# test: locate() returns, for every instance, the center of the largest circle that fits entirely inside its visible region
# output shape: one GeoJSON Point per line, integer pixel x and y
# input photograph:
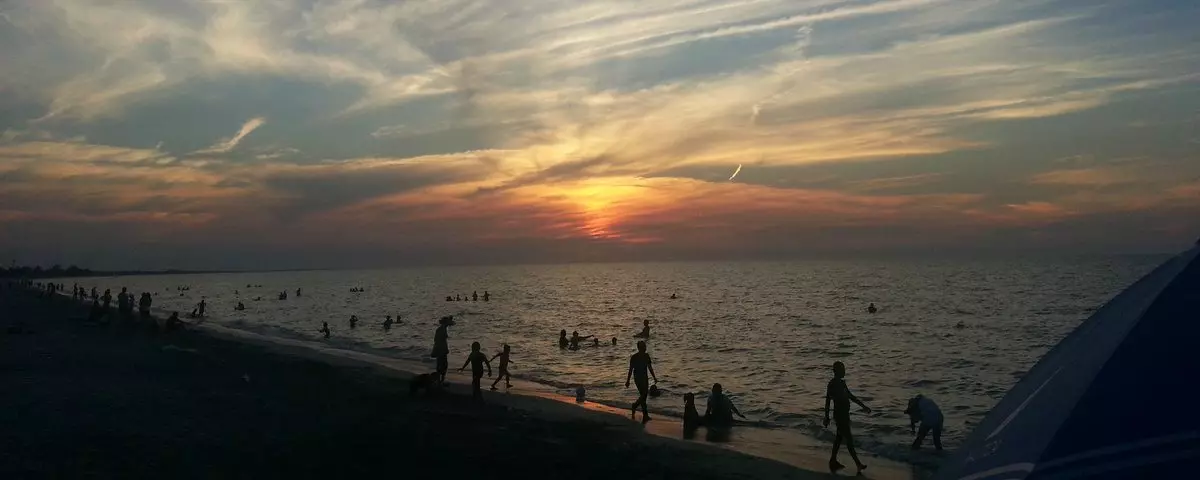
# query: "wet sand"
{"type": "Point", "coordinates": [120, 402]}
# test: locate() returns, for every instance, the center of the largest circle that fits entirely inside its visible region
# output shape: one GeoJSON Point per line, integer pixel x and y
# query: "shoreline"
{"type": "Point", "coordinates": [791, 448]}
{"type": "Point", "coordinates": [771, 449]}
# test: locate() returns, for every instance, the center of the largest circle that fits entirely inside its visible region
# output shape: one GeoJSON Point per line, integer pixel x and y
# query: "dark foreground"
{"type": "Point", "coordinates": [121, 402]}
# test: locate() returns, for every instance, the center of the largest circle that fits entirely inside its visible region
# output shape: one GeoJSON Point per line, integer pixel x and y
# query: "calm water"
{"type": "Point", "coordinates": [767, 331]}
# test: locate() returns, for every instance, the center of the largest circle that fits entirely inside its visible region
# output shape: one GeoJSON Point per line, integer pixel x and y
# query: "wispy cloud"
{"type": "Point", "coordinates": [608, 122]}
{"type": "Point", "coordinates": [228, 144]}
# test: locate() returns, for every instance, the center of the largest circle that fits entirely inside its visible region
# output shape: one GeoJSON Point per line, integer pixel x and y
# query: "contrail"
{"type": "Point", "coordinates": [735, 172]}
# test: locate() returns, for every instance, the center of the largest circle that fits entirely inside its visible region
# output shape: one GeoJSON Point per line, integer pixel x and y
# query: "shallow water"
{"type": "Point", "coordinates": [766, 331]}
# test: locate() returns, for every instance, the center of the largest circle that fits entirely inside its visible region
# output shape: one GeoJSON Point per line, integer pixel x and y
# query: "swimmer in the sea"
{"type": "Point", "coordinates": [486, 296]}
{"type": "Point", "coordinates": [325, 329]}
{"type": "Point", "coordinates": [871, 308]}
{"type": "Point", "coordinates": [563, 343]}
{"type": "Point", "coordinates": [387, 324]}
{"type": "Point", "coordinates": [645, 333]}
{"type": "Point", "coordinates": [475, 296]}
{"type": "Point", "coordinates": [575, 339]}
{"type": "Point", "coordinates": [353, 321]}
{"type": "Point", "coordinates": [614, 341]}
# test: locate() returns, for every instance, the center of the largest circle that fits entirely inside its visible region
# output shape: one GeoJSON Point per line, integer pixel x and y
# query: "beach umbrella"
{"type": "Point", "coordinates": [1111, 400]}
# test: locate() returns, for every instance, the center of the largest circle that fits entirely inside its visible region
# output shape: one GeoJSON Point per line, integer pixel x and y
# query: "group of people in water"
{"type": "Point", "coordinates": [718, 416]}
{"type": "Point", "coordinates": [474, 297]}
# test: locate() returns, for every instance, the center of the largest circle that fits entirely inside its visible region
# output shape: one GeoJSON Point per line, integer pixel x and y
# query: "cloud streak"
{"type": "Point", "coordinates": [227, 145]}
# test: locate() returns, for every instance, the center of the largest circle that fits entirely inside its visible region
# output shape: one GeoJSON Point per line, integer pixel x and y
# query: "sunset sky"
{"type": "Point", "coordinates": [351, 133]}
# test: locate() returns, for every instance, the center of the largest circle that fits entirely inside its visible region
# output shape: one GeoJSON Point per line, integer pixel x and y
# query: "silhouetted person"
{"type": "Point", "coordinates": [173, 322]}
{"type": "Point", "coordinates": [94, 294]}
{"type": "Point", "coordinates": [924, 411]}
{"type": "Point", "coordinates": [563, 343]}
{"type": "Point", "coordinates": [639, 364]}
{"type": "Point", "coordinates": [720, 410]}
{"type": "Point", "coordinates": [201, 307]}
{"type": "Point", "coordinates": [144, 305]}
{"type": "Point", "coordinates": [297, 292]}
{"type": "Point", "coordinates": [673, 296]}
{"type": "Point", "coordinates": [98, 313]}
{"type": "Point", "coordinates": [124, 303]}
{"type": "Point", "coordinates": [325, 329]}
{"type": "Point", "coordinates": [475, 296]}
{"type": "Point", "coordinates": [74, 291]}
{"type": "Point", "coordinates": [504, 357]}
{"type": "Point", "coordinates": [449, 298]}
{"type": "Point", "coordinates": [871, 308]}
{"type": "Point", "coordinates": [107, 299]}
{"type": "Point", "coordinates": [240, 306]}
{"type": "Point", "coordinates": [575, 339]}
{"type": "Point", "coordinates": [441, 349]}
{"type": "Point", "coordinates": [839, 394]}
{"type": "Point", "coordinates": [477, 360]}
{"type": "Point", "coordinates": [457, 297]}
{"type": "Point", "coordinates": [595, 342]}
{"type": "Point", "coordinates": [353, 321]}
{"type": "Point", "coordinates": [486, 296]}
{"type": "Point", "coordinates": [614, 341]}
{"type": "Point", "coordinates": [387, 324]}
{"type": "Point", "coordinates": [645, 333]}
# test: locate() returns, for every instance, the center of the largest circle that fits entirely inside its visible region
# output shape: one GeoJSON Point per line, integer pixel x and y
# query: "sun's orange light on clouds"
{"type": "Point", "coordinates": [364, 132]}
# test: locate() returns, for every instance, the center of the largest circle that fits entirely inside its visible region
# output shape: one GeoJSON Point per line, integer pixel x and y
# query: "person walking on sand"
{"type": "Point", "coordinates": [504, 362]}
{"type": "Point", "coordinates": [477, 360]}
{"type": "Point", "coordinates": [839, 394]}
{"type": "Point", "coordinates": [924, 411]}
{"type": "Point", "coordinates": [325, 329]}
{"type": "Point", "coordinates": [639, 364]}
{"type": "Point", "coordinates": [441, 349]}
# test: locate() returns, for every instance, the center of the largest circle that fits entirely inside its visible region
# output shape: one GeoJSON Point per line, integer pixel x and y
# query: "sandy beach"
{"type": "Point", "coordinates": [119, 401]}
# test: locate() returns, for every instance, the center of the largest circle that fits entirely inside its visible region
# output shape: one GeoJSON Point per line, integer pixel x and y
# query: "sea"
{"type": "Point", "coordinates": [960, 332]}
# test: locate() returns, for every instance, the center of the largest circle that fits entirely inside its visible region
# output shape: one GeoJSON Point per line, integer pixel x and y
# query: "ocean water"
{"type": "Point", "coordinates": [767, 331]}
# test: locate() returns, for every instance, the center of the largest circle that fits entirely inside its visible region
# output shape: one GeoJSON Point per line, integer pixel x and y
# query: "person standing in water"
{"type": "Point", "coordinates": [645, 333]}
{"type": "Point", "coordinates": [575, 339]}
{"type": "Point", "coordinates": [387, 324]}
{"type": "Point", "coordinates": [871, 308]}
{"type": "Point", "coordinates": [353, 321]}
{"type": "Point", "coordinates": [720, 410]}
{"type": "Point", "coordinates": [839, 394]}
{"type": "Point", "coordinates": [475, 296]}
{"type": "Point", "coordinates": [201, 306]}
{"type": "Point", "coordinates": [477, 360]}
{"type": "Point", "coordinates": [486, 296]}
{"type": "Point", "coordinates": [325, 329]}
{"type": "Point", "coordinates": [441, 349]}
{"type": "Point", "coordinates": [144, 305]}
{"type": "Point", "coordinates": [504, 362]}
{"type": "Point", "coordinates": [563, 343]}
{"type": "Point", "coordinates": [639, 364]}
{"type": "Point", "coordinates": [924, 411]}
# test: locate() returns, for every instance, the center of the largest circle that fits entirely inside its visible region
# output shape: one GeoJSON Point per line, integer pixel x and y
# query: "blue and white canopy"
{"type": "Point", "coordinates": [1112, 400]}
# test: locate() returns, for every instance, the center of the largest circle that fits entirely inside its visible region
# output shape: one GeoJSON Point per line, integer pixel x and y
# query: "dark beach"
{"type": "Point", "coordinates": [119, 401]}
